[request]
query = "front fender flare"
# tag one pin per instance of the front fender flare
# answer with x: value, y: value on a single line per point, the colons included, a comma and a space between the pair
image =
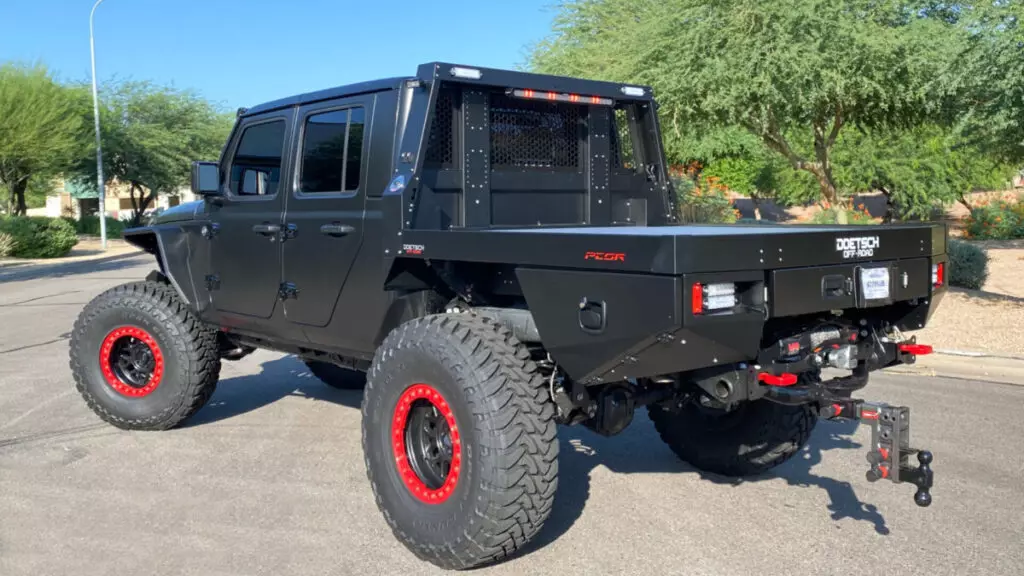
x: 170, y: 246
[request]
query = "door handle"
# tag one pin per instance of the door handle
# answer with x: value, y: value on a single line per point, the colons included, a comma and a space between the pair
x: 266, y: 229
x: 336, y: 229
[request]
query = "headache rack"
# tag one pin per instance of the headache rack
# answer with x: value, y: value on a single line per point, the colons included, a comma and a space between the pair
x: 513, y: 149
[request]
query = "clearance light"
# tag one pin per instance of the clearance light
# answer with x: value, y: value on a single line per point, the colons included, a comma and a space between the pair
x: 633, y: 91
x: 938, y: 274
x: 560, y: 97
x: 471, y: 73
x: 712, y: 297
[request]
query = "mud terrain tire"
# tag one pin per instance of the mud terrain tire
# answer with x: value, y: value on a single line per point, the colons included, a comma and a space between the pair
x: 480, y: 384
x: 109, y: 358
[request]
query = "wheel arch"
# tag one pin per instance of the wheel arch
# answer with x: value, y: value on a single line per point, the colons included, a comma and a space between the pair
x: 170, y: 247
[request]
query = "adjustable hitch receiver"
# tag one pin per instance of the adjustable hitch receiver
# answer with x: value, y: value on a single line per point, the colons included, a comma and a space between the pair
x: 890, y: 452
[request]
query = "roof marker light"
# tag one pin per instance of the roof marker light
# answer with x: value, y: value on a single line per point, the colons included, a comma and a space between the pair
x: 559, y: 97
x: 471, y: 73
x: 633, y: 91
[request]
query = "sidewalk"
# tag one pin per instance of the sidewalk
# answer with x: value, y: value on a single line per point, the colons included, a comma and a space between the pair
x: 85, y: 257
x: 1006, y: 370
x: 88, y: 248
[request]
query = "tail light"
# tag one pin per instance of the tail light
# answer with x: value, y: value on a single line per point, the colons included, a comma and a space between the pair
x: 706, y: 298
x: 938, y: 274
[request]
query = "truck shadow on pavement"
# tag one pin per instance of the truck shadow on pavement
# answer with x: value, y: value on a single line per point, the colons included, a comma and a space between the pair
x: 640, y: 450
x: 278, y: 379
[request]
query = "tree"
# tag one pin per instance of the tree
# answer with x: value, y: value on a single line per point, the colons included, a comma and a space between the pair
x: 916, y: 169
x: 41, y: 130
x: 990, y: 79
x: 793, y: 73
x: 150, y: 135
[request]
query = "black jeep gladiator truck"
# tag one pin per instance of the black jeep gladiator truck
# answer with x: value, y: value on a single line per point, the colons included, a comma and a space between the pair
x: 492, y: 254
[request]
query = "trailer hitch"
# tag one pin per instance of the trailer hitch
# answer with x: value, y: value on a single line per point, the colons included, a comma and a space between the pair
x: 890, y: 451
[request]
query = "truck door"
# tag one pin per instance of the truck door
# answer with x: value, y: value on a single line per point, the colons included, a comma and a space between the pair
x: 245, y: 246
x: 324, y: 212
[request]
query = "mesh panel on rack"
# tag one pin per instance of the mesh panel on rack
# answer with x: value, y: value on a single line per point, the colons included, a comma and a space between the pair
x: 440, y: 145
x: 528, y: 134
x: 622, y: 143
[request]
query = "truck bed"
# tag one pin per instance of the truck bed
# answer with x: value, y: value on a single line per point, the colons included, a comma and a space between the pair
x: 676, y: 250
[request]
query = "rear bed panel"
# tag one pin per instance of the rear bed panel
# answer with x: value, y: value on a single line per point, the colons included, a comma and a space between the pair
x: 679, y: 250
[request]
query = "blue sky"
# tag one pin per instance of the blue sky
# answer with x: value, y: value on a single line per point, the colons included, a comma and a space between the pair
x: 243, y: 52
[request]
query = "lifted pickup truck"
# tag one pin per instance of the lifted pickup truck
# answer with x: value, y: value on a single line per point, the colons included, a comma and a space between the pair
x: 499, y: 253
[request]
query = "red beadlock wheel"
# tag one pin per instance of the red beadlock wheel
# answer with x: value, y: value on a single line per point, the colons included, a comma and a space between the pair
x: 132, y: 361
x: 426, y: 443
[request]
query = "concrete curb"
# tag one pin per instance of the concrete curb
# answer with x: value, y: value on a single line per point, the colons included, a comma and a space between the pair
x: 972, y: 354
x: 970, y: 367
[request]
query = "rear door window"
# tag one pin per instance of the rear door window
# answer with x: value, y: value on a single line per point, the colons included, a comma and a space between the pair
x: 332, y: 151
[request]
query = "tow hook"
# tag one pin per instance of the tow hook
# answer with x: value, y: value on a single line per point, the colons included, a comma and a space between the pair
x: 890, y: 451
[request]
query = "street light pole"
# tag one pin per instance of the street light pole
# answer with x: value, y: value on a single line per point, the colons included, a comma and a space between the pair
x: 99, y: 149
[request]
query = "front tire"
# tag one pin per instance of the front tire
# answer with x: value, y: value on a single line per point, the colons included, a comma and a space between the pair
x: 460, y: 440
x: 141, y: 359
x: 753, y: 439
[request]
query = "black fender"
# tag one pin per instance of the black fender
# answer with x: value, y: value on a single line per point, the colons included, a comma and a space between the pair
x: 171, y: 245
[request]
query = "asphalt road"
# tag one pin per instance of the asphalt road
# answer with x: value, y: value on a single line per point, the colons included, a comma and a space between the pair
x: 269, y: 479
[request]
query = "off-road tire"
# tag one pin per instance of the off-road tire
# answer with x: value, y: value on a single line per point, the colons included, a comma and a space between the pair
x: 336, y: 376
x: 761, y: 436
x: 191, y: 365
x: 508, y: 434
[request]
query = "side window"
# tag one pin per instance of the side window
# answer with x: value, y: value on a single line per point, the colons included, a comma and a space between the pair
x: 256, y: 167
x: 332, y: 151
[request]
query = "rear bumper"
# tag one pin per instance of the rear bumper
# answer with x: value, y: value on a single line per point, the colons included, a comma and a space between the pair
x: 606, y: 326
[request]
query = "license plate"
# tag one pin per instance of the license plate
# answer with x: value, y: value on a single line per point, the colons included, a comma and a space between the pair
x: 874, y: 283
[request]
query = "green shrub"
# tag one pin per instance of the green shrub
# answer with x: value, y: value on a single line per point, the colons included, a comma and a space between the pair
x: 999, y: 220
x: 39, y: 237
x: 6, y: 244
x: 829, y: 216
x: 968, y: 265
x: 704, y: 202
x: 91, y: 225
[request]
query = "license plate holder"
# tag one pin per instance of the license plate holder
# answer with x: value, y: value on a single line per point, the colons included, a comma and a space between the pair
x: 874, y: 285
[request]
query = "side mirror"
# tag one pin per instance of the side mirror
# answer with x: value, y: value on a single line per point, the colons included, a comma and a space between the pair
x: 206, y: 179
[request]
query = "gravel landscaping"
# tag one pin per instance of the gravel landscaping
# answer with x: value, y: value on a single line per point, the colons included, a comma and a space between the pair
x: 989, y: 320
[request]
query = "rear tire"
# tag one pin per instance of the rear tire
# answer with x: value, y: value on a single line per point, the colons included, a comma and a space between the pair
x: 141, y: 359
x: 759, y: 436
x: 482, y: 389
x: 336, y: 376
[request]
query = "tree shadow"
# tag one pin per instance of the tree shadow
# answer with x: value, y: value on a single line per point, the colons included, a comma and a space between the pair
x: 640, y: 450
x: 995, y: 297
x: 770, y: 211
x: 286, y: 376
